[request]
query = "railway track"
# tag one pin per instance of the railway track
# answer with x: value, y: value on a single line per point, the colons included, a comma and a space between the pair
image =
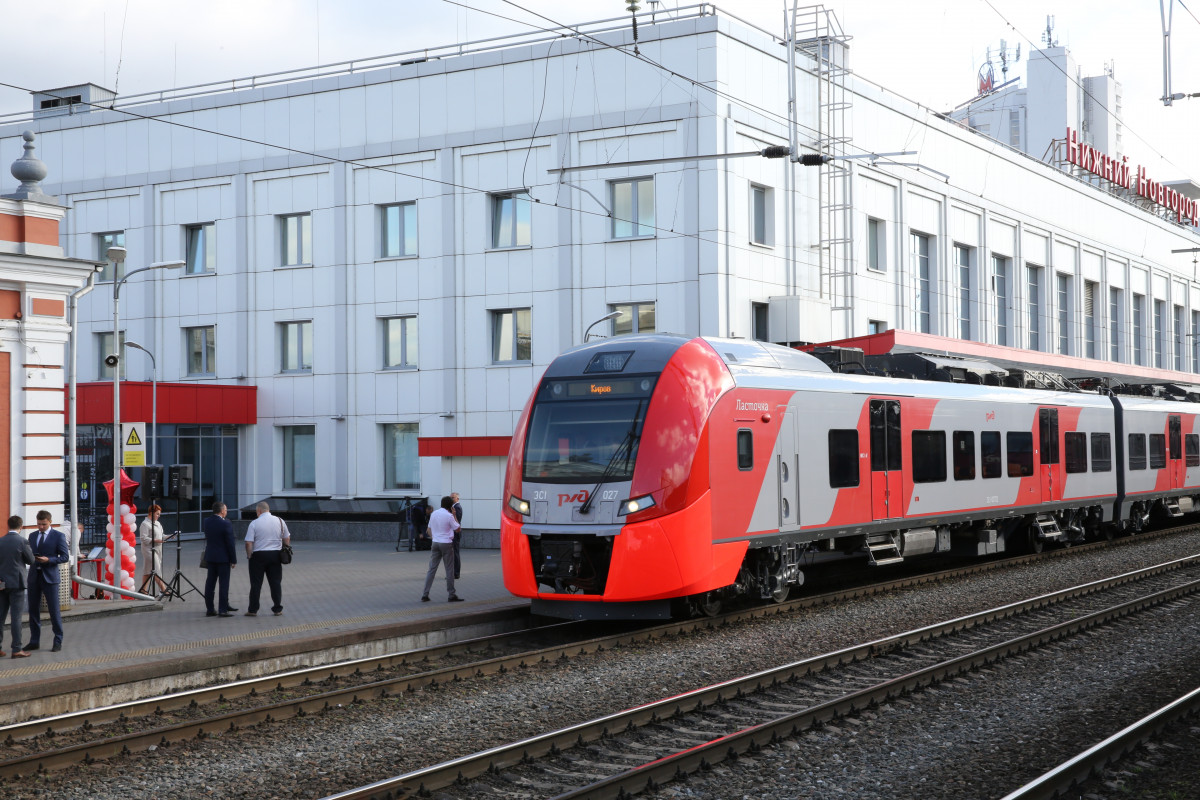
x: 81, y: 737
x: 1077, y: 771
x: 627, y: 752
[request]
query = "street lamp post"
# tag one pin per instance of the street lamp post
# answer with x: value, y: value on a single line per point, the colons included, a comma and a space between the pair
x: 153, y: 400
x: 113, y: 360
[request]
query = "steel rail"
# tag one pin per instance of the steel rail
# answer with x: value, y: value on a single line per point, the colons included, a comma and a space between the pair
x: 301, y: 677
x: 1079, y: 769
x: 439, y: 776
x: 315, y: 703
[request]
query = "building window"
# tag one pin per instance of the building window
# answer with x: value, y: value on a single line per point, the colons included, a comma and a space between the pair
x: 1139, y: 313
x: 300, y: 457
x: 1114, y: 324
x: 1014, y: 128
x: 962, y: 263
x: 201, y: 350
x: 104, y: 348
x: 1035, y: 309
x: 512, y: 335
x: 632, y: 208
x: 104, y: 241
x: 1064, y: 314
x: 400, y: 343
x: 1089, y: 318
x: 401, y: 469
x: 1196, y: 341
x: 921, y: 267
x: 295, y: 240
x: 635, y: 318
x: 875, y: 326
x: 762, y: 215
x: 1179, y: 335
x: 1160, y: 333
x: 511, y: 220
x: 201, y: 248
x: 295, y: 346
x: 398, y: 230
x: 1000, y: 287
x: 761, y: 313
x: 876, y: 237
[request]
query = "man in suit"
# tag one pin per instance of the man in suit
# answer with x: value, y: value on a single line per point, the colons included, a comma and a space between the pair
x: 49, y: 550
x: 221, y: 554
x: 15, y: 556
x: 457, y: 511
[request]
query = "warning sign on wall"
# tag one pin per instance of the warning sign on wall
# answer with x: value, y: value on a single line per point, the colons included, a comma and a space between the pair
x: 133, y: 444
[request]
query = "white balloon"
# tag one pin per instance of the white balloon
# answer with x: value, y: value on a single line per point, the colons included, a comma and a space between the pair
x: 108, y: 562
x: 127, y: 583
x: 109, y: 528
x: 124, y: 509
x: 129, y: 520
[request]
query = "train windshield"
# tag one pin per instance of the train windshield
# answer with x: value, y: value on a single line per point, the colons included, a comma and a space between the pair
x: 580, y: 429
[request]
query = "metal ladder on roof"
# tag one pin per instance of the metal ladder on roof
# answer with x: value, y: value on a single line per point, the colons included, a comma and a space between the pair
x: 819, y: 35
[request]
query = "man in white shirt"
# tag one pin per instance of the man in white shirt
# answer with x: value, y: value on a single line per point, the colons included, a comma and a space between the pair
x: 442, y: 526
x: 265, y: 538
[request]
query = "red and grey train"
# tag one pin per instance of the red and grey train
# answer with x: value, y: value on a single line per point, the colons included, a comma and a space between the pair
x: 654, y: 475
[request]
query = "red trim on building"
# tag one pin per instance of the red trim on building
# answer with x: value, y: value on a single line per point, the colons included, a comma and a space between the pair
x: 45, y: 307
x: 899, y: 341
x: 450, y: 446
x: 32, y: 230
x: 178, y: 403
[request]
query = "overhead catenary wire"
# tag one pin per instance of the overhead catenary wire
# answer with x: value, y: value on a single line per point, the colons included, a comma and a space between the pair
x: 950, y: 293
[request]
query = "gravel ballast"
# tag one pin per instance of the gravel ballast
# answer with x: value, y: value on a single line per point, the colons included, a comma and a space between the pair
x: 921, y: 746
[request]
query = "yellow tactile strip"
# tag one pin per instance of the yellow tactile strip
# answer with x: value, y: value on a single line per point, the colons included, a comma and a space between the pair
x: 34, y: 669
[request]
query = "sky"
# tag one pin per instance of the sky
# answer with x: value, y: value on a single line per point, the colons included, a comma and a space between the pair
x: 928, y: 51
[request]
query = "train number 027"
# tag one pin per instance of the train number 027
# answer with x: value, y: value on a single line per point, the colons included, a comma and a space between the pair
x: 608, y: 495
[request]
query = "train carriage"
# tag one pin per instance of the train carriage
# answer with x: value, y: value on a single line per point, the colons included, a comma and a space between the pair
x: 653, y: 475
x: 1160, y: 445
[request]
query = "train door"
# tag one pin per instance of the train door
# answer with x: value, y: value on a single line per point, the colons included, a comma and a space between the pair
x: 887, y: 495
x: 786, y: 459
x: 1175, y: 463
x: 1050, y: 469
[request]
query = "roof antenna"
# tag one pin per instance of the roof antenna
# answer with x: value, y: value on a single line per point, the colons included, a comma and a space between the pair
x: 633, y: 9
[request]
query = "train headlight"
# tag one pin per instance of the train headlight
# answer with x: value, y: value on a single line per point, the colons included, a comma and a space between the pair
x: 636, y: 504
x: 518, y: 505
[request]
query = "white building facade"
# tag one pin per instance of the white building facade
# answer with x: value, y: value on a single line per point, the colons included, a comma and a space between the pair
x: 392, y: 256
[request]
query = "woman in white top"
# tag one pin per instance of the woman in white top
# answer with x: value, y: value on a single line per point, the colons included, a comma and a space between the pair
x: 151, y: 532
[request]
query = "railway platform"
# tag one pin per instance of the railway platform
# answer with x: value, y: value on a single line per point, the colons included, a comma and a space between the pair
x: 340, y: 600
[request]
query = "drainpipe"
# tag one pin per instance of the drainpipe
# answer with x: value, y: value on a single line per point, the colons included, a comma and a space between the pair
x: 72, y: 360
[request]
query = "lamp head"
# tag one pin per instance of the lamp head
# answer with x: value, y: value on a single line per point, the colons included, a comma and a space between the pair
x: 116, y: 254
x: 176, y: 264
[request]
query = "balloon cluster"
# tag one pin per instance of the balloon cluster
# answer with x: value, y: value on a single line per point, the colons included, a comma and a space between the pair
x: 122, y: 536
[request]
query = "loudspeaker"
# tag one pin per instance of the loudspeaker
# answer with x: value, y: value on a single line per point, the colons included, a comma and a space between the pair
x: 152, y: 483
x: 179, y: 481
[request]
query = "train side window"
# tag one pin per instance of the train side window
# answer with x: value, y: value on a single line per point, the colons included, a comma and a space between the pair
x: 929, y: 456
x: 989, y: 451
x: 1101, y: 453
x: 843, y: 458
x: 964, y: 455
x: 745, y: 449
x: 1137, y: 451
x: 1020, y: 454
x: 1191, y: 444
x: 1158, y: 451
x: 1048, y: 438
x: 1076, y: 452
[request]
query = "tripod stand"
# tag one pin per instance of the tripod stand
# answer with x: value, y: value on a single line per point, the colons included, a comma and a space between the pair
x: 154, y: 578
x: 175, y: 585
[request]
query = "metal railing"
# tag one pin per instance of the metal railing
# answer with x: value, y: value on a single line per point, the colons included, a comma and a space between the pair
x: 355, y: 66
